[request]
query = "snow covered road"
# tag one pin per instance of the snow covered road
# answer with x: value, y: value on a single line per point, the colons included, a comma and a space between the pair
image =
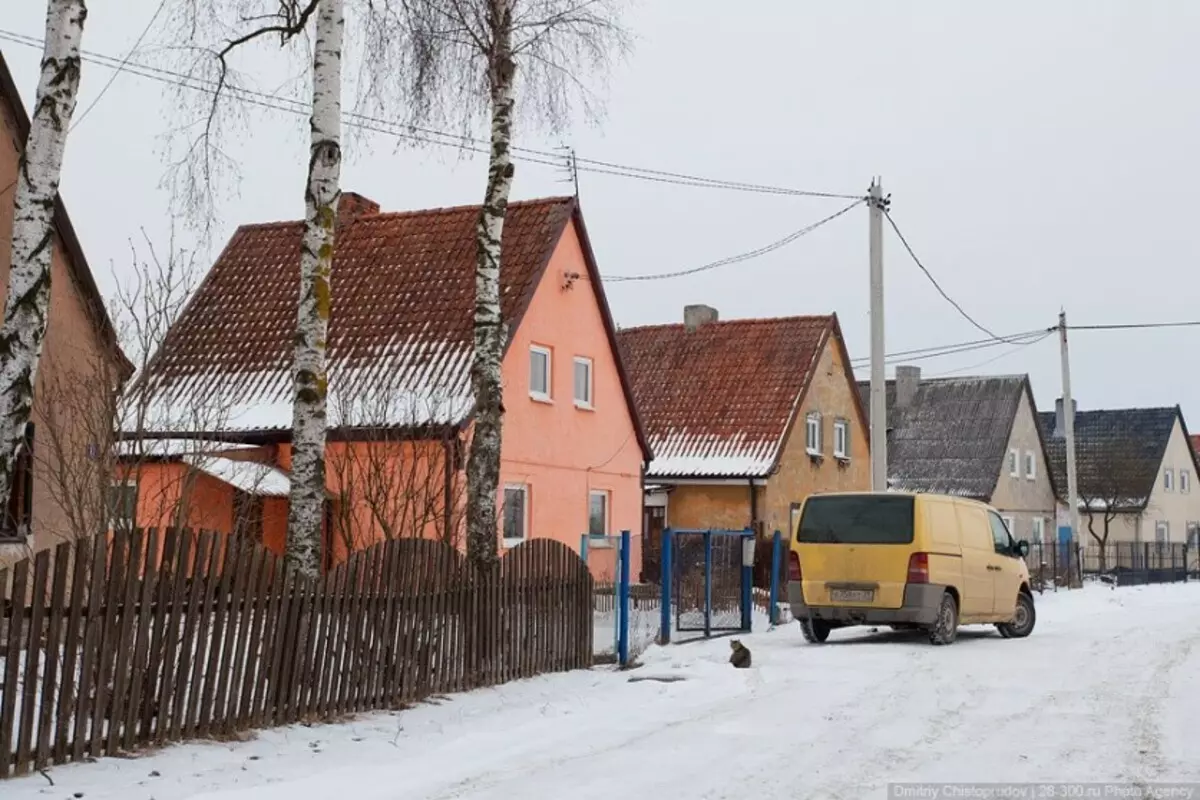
x: 1106, y: 689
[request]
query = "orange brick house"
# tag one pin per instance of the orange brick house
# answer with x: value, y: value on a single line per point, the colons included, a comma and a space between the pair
x: 56, y: 493
x: 400, y: 343
x: 745, y: 417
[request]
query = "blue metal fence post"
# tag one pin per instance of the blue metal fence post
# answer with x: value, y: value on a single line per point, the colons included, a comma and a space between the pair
x: 776, y: 558
x: 749, y: 542
x: 583, y: 547
x: 623, y: 603
x: 707, y: 584
x: 664, y: 632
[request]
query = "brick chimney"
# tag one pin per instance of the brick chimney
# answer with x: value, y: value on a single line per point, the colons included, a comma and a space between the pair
x: 1060, y: 420
x: 697, y: 315
x: 908, y: 380
x: 352, y: 205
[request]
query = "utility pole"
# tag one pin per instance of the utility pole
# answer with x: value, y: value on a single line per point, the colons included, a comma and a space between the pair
x: 1069, y: 425
x: 878, y: 377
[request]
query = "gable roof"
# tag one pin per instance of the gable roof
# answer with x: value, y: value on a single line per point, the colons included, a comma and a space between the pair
x: 1118, y: 453
x: 77, y: 264
x: 953, y: 436
x: 719, y: 400
x: 400, y: 338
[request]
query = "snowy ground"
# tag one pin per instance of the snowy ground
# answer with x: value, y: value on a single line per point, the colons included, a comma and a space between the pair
x: 1106, y: 689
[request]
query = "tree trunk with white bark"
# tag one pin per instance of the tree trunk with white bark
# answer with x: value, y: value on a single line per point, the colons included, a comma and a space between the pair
x: 483, y: 466
x: 321, y: 194
x: 27, y: 307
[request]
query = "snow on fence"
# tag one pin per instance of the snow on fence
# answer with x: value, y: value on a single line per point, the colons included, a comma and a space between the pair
x: 116, y: 642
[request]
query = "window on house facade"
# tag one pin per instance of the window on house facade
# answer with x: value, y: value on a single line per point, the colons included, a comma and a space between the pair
x: 597, y: 513
x: 516, y: 513
x: 1038, y: 531
x: 1014, y: 463
x: 1030, y: 465
x: 1162, y: 531
x: 1193, y: 534
x: 583, y: 382
x: 1011, y: 524
x: 18, y: 516
x: 122, y: 505
x: 812, y: 433
x: 1169, y: 480
x: 1185, y: 481
x: 841, y: 439
x: 539, y: 373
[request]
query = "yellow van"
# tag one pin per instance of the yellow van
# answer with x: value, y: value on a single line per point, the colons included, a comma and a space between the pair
x: 911, y: 561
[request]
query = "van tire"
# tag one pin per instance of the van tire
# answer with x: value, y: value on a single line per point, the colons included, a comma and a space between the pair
x: 1023, y: 621
x: 815, y: 631
x: 945, y: 629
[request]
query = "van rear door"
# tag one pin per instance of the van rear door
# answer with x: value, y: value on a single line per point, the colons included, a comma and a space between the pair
x: 854, y: 549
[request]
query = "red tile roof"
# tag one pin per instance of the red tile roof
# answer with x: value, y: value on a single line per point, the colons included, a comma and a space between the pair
x: 401, y: 319
x: 718, y: 401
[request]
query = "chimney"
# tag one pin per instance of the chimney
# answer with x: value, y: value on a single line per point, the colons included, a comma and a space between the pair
x: 908, y: 380
x: 697, y: 315
x: 1060, y: 420
x: 352, y: 205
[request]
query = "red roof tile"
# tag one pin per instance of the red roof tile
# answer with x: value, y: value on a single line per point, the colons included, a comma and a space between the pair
x: 718, y: 400
x: 403, y: 305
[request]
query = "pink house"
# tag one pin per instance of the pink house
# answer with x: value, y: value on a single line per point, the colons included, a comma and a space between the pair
x: 400, y: 342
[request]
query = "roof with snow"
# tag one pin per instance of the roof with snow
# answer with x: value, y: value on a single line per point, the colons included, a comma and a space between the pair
x: 952, y: 436
x: 718, y: 400
x: 400, y: 330
x: 247, y: 476
x: 1118, y: 454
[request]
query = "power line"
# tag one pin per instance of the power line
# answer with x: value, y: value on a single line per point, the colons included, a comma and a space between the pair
x: 962, y: 347
x: 429, y: 135
x: 994, y: 359
x: 113, y: 78
x: 791, y: 237
x: 933, y: 280
x: 1134, y: 326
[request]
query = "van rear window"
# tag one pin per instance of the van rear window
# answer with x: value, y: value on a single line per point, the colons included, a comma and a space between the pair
x: 857, y: 519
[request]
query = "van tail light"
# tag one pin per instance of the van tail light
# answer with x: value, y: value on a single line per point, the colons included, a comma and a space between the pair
x: 918, y: 568
x: 793, y: 566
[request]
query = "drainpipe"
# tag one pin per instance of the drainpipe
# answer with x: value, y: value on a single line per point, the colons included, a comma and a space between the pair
x: 753, y: 507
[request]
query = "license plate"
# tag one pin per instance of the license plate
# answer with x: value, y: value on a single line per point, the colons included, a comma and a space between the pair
x: 852, y: 595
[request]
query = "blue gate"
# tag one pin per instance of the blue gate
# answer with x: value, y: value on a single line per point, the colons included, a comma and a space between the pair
x: 707, y: 576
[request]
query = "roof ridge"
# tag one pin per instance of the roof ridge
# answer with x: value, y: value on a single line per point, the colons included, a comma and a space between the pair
x: 737, y: 320
x: 412, y: 212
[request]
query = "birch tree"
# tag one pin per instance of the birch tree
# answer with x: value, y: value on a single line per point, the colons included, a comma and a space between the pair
x: 27, y: 306
x: 465, y: 59
x: 310, y: 382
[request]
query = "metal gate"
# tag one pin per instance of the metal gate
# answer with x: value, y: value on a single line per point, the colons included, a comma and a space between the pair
x: 707, y: 581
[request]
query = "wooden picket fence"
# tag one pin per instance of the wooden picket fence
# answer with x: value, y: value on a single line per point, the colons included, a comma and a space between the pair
x: 118, y: 642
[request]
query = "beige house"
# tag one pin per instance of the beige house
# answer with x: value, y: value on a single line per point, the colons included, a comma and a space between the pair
x: 56, y: 488
x: 745, y: 417
x: 1136, y: 471
x: 975, y: 437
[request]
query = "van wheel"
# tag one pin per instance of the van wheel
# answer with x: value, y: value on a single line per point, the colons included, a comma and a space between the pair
x: 945, y: 629
x: 815, y: 631
x: 1023, y: 619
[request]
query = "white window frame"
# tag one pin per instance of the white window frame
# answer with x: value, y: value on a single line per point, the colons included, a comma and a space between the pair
x: 1038, y: 529
x: 1030, y: 465
x: 1185, y: 481
x: 1014, y: 463
x: 607, y: 495
x: 841, y: 439
x: 1168, y: 480
x: 523, y: 488
x: 546, y: 396
x: 1162, y: 531
x: 1011, y: 524
x: 812, y: 433
x: 589, y: 402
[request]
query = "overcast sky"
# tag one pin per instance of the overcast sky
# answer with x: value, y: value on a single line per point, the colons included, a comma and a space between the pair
x: 1039, y: 155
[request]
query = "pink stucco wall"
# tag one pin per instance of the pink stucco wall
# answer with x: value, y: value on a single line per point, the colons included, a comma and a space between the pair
x: 559, y: 451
